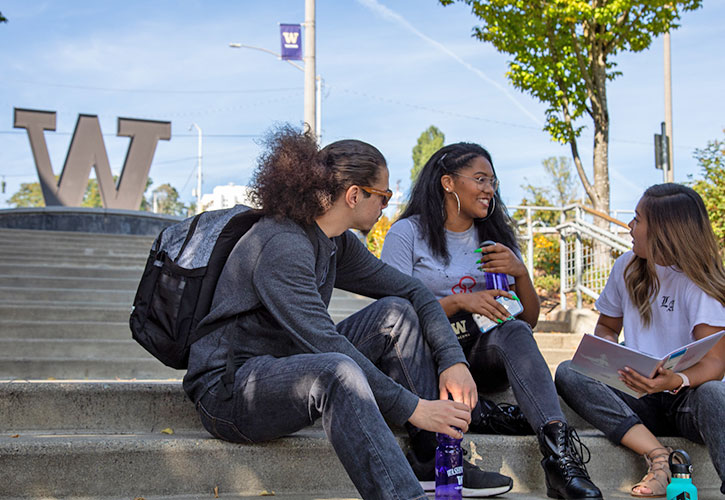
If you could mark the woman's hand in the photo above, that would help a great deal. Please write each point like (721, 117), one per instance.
(484, 303)
(664, 380)
(457, 383)
(441, 416)
(499, 258)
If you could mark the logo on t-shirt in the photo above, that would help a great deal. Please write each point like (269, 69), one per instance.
(465, 285)
(667, 303)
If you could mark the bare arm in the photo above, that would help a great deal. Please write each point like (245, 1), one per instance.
(608, 327)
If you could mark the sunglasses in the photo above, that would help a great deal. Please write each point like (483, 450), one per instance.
(386, 195)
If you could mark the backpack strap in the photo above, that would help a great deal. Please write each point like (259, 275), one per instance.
(189, 234)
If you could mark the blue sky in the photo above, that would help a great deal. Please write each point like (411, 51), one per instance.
(391, 69)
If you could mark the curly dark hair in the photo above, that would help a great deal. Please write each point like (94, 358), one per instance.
(295, 180)
(426, 200)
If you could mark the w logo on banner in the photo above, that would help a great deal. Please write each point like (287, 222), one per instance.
(87, 151)
(290, 38)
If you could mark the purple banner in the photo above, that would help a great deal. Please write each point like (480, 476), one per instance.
(291, 39)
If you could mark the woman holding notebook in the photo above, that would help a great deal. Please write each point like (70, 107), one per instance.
(667, 292)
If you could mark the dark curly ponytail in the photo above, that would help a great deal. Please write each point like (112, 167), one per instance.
(294, 180)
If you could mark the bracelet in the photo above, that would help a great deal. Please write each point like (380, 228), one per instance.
(685, 383)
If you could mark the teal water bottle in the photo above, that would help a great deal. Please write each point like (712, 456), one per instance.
(681, 487)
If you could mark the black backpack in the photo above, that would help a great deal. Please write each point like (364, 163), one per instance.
(178, 282)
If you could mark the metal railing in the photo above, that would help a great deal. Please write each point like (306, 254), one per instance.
(589, 242)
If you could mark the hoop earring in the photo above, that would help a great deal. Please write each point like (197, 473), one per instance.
(458, 202)
(490, 210)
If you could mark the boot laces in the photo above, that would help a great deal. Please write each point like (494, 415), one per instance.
(572, 460)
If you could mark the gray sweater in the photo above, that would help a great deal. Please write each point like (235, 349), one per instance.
(287, 277)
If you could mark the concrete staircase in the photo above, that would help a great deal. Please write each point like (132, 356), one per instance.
(85, 412)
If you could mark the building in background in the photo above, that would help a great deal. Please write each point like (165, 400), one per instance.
(226, 197)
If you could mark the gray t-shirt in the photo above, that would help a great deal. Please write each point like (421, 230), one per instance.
(406, 250)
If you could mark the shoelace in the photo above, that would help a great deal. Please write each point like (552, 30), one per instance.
(574, 461)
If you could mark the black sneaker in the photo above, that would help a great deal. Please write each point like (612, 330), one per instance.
(476, 482)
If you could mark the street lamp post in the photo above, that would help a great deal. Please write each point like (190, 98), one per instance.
(309, 59)
(198, 169)
(312, 104)
(670, 167)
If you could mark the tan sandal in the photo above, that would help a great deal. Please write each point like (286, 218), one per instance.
(658, 474)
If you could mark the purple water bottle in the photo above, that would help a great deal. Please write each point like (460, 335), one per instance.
(494, 281)
(449, 468)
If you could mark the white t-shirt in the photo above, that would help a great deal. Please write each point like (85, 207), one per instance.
(406, 250)
(679, 306)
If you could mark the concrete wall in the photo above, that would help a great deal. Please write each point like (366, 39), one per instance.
(88, 220)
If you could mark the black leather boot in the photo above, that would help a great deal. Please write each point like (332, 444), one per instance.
(566, 475)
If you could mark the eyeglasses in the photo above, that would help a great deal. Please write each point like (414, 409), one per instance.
(387, 194)
(481, 181)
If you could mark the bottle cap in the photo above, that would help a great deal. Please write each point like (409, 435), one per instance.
(684, 467)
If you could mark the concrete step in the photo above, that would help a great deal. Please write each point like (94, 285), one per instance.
(554, 357)
(350, 495)
(68, 282)
(66, 295)
(71, 236)
(120, 262)
(54, 270)
(80, 248)
(144, 367)
(59, 329)
(95, 406)
(190, 462)
(123, 406)
(558, 340)
(71, 348)
(22, 311)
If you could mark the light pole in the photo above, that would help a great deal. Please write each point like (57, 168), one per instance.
(198, 169)
(670, 167)
(309, 59)
(316, 107)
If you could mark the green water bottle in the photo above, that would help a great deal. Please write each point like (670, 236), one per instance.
(681, 487)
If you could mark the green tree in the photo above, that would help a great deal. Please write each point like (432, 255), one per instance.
(563, 184)
(430, 141)
(92, 196)
(712, 186)
(562, 55)
(167, 200)
(560, 192)
(3, 19)
(29, 195)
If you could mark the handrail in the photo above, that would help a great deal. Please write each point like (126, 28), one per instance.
(597, 233)
(604, 216)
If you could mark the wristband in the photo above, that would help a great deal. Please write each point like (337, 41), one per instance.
(685, 383)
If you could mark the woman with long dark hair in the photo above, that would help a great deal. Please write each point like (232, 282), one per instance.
(454, 206)
(667, 292)
(394, 360)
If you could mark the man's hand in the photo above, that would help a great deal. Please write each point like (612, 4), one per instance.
(457, 382)
(441, 416)
(664, 380)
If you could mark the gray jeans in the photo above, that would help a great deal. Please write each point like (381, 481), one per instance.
(694, 413)
(273, 397)
(508, 354)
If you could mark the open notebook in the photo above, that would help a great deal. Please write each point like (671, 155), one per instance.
(600, 359)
